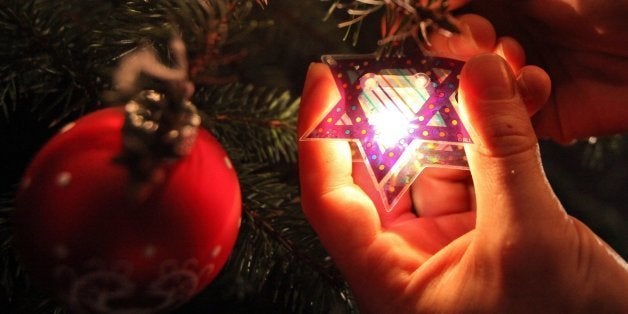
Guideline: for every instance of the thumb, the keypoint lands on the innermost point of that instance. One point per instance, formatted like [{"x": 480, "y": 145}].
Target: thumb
[{"x": 511, "y": 188}]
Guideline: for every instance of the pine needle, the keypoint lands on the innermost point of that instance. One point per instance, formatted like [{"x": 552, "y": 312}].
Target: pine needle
[{"x": 253, "y": 123}]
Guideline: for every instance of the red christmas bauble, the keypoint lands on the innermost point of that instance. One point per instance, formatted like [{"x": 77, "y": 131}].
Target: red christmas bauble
[{"x": 80, "y": 234}]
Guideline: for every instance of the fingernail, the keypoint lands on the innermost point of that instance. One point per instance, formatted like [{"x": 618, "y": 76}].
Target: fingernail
[
  {"x": 499, "y": 50},
  {"x": 463, "y": 44},
  {"x": 491, "y": 77}
]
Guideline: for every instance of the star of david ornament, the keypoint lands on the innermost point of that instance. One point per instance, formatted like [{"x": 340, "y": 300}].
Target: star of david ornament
[{"x": 399, "y": 113}]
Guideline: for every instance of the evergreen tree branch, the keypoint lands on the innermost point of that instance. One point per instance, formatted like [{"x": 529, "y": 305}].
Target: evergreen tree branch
[
  {"x": 40, "y": 59},
  {"x": 280, "y": 249},
  {"x": 401, "y": 20},
  {"x": 254, "y": 124},
  {"x": 49, "y": 48}
]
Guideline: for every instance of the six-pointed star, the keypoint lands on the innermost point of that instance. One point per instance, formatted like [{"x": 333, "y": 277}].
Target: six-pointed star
[{"x": 401, "y": 114}]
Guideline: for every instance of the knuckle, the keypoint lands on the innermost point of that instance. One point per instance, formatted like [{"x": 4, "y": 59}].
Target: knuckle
[{"x": 507, "y": 136}]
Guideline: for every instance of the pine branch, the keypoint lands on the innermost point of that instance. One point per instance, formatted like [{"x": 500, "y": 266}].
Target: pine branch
[
  {"x": 254, "y": 124},
  {"x": 40, "y": 61},
  {"x": 8, "y": 97},
  {"x": 278, "y": 264},
  {"x": 57, "y": 59},
  {"x": 279, "y": 254},
  {"x": 402, "y": 19}
]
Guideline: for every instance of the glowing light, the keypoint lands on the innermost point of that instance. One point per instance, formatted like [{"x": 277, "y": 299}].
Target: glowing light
[
  {"x": 390, "y": 127},
  {"x": 400, "y": 115}
]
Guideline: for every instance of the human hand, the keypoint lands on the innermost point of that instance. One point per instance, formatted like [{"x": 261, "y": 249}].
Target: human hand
[
  {"x": 583, "y": 45},
  {"x": 500, "y": 244}
]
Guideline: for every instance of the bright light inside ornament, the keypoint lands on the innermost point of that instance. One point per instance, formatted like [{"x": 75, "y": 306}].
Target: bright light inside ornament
[
  {"x": 390, "y": 127},
  {"x": 400, "y": 114}
]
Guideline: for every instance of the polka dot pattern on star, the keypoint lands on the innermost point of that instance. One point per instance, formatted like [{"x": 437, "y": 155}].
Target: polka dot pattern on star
[{"x": 390, "y": 108}]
